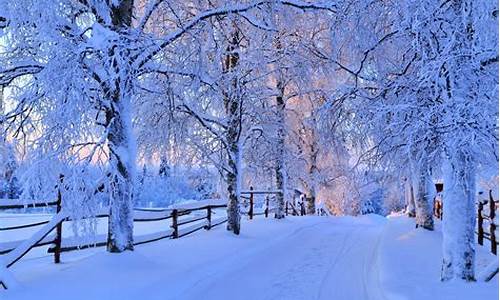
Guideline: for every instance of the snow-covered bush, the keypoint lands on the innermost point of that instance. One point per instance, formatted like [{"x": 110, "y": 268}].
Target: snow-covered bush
[
  {"x": 9, "y": 185},
  {"x": 179, "y": 186}
]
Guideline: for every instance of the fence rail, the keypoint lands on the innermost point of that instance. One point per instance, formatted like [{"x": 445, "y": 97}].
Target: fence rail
[
  {"x": 292, "y": 210},
  {"x": 184, "y": 221},
  {"x": 60, "y": 245},
  {"x": 19, "y": 203},
  {"x": 481, "y": 216}
]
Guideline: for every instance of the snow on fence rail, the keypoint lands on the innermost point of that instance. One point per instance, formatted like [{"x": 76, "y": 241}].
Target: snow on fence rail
[
  {"x": 21, "y": 203},
  {"x": 186, "y": 219},
  {"x": 60, "y": 245},
  {"x": 491, "y": 216},
  {"x": 25, "y": 246}
]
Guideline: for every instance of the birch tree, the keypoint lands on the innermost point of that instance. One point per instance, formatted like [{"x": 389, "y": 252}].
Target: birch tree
[
  {"x": 101, "y": 53},
  {"x": 435, "y": 107},
  {"x": 468, "y": 72}
]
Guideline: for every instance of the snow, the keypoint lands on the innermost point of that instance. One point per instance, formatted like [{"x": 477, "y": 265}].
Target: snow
[
  {"x": 410, "y": 265},
  {"x": 195, "y": 203},
  {"x": 4, "y": 246},
  {"x": 6, "y": 278},
  {"x": 459, "y": 198},
  {"x": 489, "y": 272},
  {"x": 100, "y": 37},
  {"x": 24, "y": 247},
  {"x": 94, "y": 88},
  {"x": 368, "y": 257},
  {"x": 24, "y": 202},
  {"x": 143, "y": 231}
]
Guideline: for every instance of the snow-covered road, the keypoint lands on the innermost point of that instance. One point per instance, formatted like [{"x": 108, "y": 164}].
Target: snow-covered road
[
  {"x": 317, "y": 261},
  {"x": 342, "y": 258},
  {"x": 297, "y": 258}
]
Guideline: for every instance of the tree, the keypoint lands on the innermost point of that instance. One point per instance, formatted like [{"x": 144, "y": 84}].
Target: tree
[
  {"x": 233, "y": 106},
  {"x": 452, "y": 66},
  {"x": 434, "y": 105},
  {"x": 8, "y": 165},
  {"x": 420, "y": 91},
  {"x": 468, "y": 71},
  {"x": 280, "y": 162},
  {"x": 164, "y": 170},
  {"x": 102, "y": 55},
  {"x": 409, "y": 198}
]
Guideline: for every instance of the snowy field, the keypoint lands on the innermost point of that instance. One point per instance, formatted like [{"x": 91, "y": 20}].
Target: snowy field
[{"x": 366, "y": 257}]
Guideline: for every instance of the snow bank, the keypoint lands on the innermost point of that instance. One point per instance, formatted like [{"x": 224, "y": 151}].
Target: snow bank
[
  {"x": 24, "y": 247},
  {"x": 297, "y": 258},
  {"x": 410, "y": 265},
  {"x": 7, "y": 280},
  {"x": 490, "y": 272},
  {"x": 190, "y": 204},
  {"x": 166, "y": 269}
]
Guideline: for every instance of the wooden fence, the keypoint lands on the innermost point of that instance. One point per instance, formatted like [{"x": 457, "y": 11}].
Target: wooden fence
[
  {"x": 183, "y": 221},
  {"x": 248, "y": 198},
  {"x": 294, "y": 211},
  {"x": 483, "y": 217},
  {"x": 298, "y": 209}
]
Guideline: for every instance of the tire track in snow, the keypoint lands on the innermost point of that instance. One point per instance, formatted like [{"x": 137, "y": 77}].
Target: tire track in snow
[
  {"x": 324, "y": 260},
  {"x": 371, "y": 288},
  {"x": 217, "y": 269},
  {"x": 325, "y": 282},
  {"x": 373, "y": 274}
]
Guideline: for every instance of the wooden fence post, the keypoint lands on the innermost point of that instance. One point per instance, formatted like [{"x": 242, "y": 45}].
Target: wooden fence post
[
  {"x": 441, "y": 210},
  {"x": 266, "y": 211},
  {"x": 58, "y": 239},
  {"x": 250, "y": 210},
  {"x": 480, "y": 230},
  {"x": 175, "y": 233},
  {"x": 438, "y": 209},
  {"x": 434, "y": 209},
  {"x": 493, "y": 226},
  {"x": 209, "y": 218}
]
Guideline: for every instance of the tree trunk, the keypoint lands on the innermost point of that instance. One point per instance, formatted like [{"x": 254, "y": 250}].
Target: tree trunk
[
  {"x": 311, "y": 204},
  {"x": 410, "y": 198},
  {"x": 459, "y": 219},
  {"x": 424, "y": 198},
  {"x": 120, "y": 139},
  {"x": 232, "y": 104},
  {"x": 280, "y": 162},
  {"x": 122, "y": 162},
  {"x": 233, "y": 205},
  {"x": 233, "y": 180},
  {"x": 460, "y": 169},
  {"x": 313, "y": 169}
]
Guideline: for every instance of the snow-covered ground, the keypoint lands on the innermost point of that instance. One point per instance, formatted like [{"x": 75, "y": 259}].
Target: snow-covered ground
[
  {"x": 367, "y": 257},
  {"x": 410, "y": 261}
]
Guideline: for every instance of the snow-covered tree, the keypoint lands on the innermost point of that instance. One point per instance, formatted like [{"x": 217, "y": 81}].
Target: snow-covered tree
[
  {"x": 423, "y": 90},
  {"x": 468, "y": 87},
  {"x": 79, "y": 65}
]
